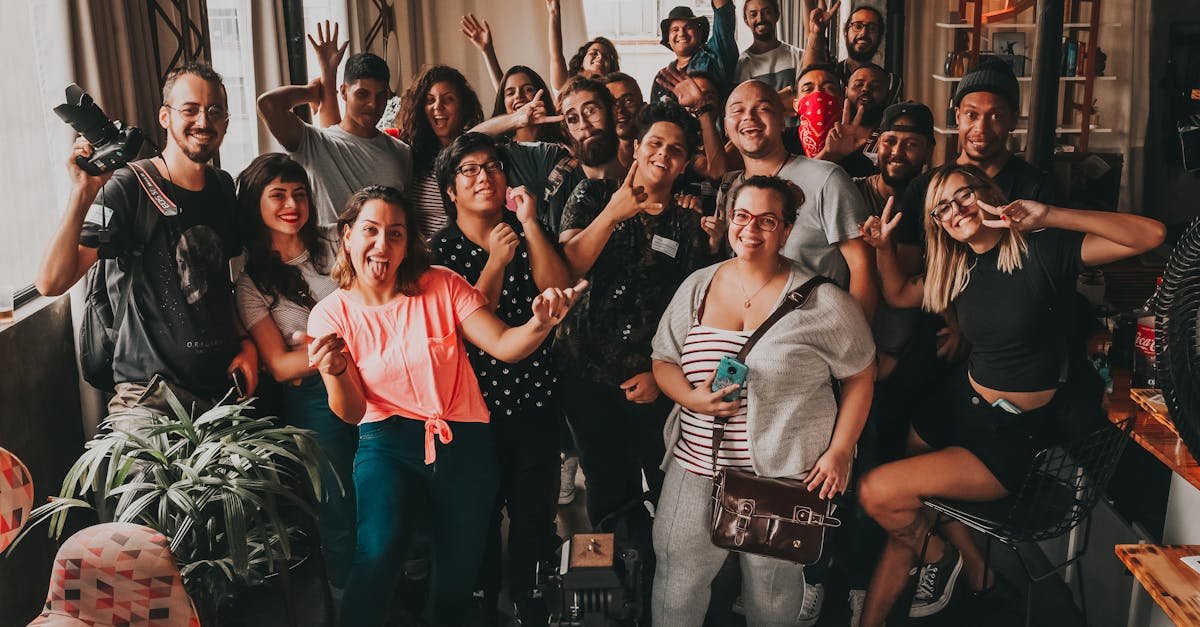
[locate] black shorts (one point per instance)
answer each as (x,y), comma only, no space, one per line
(955,415)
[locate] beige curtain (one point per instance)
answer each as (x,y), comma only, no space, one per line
(270,59)
(113,59)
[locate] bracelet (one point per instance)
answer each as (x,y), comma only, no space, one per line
(701,110)
(338,374)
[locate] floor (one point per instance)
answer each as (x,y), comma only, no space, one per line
(1053,604)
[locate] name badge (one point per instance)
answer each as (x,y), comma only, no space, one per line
(668,247)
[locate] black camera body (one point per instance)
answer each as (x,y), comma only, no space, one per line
(596,584)
(115,144)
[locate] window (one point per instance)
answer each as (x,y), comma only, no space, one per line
(317,11)
(36,142)
(233,57)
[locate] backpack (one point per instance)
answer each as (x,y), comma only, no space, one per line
(98,330)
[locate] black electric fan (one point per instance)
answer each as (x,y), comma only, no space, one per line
(1178,352)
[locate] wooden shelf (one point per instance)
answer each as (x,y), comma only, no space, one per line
(965,26)
(1174,586)
(1150,432)
(1061,130)
(1024,79)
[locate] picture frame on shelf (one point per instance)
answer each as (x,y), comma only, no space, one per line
(1011,47)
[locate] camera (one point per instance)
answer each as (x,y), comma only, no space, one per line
(597,583)
(114,143)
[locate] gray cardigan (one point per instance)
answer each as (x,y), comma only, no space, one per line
(790,404)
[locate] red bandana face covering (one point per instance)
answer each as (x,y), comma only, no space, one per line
(818,111)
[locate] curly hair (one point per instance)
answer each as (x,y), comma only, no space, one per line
(575,65)
(413,124)
(670,111)
(551,133)
(274,278)
(416,257)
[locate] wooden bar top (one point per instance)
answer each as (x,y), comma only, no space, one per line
(1150,432)
(1174,586)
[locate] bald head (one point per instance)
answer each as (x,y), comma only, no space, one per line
(754,119)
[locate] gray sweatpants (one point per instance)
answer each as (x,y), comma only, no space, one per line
(772,589)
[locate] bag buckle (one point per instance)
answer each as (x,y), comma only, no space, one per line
(745,509)
(805,515)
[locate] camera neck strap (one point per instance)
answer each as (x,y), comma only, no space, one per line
(150,184)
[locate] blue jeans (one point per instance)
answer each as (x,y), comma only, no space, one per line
(307,407)
(389,468)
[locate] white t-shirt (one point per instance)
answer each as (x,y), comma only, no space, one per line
(776,67)
(340,164)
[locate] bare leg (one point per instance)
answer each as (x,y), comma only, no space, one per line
(892,495)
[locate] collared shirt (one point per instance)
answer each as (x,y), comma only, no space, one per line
(507,388)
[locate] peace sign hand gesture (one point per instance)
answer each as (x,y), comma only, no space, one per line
(819,17)
(877,230)
(1019,215)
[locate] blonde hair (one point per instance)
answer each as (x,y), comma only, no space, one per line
(947,270)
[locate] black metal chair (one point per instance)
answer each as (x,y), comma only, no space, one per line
(1061,488)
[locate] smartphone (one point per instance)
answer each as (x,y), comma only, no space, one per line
(1007,406)
(730,371)
(239,383)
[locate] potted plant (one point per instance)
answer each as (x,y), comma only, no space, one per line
(213,485)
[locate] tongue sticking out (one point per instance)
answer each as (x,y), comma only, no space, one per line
(377,269)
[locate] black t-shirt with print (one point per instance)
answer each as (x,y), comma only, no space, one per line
(606,336)
(1017,179)
(508,389)
(180,319)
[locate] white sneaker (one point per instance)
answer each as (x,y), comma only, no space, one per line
(856,600)
(814,599)
(566,480)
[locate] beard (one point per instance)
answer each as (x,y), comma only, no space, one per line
(766,35)
(596,150)
(863,55)
(900,180)
(872,115)
(197,155)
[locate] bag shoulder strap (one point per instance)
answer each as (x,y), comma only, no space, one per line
(794,300)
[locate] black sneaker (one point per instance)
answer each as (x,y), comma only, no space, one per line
(935,584)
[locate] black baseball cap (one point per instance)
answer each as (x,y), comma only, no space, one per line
(920,119)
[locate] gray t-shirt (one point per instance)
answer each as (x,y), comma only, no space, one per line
(289,316)
(831,213)
(340,164)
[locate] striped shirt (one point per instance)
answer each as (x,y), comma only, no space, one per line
(431,212)
(702,351)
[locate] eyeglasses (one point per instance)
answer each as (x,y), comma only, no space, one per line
(214,113)
(870,27)
(766,221)
(590,111)
(471,170)
(964,197)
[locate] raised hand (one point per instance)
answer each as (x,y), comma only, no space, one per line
(80,178)
(687,91)
(502,244)
(629,199)
(329,53)
(478,31)
(533,113)
(848,136)
(1019,215)
(552,305)
(819,17)
(553,7)
(877,230)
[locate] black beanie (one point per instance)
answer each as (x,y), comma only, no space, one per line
(994,76)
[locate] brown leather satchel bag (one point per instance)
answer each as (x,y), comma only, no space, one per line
(777,518)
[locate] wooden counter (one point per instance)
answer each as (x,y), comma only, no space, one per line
(1174,586)
(1151,433)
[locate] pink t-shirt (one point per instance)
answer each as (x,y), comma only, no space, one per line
(410,353)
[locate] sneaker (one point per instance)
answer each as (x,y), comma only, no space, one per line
(935,584)
(810,610)
(855,600)
(739,606)
(566,480)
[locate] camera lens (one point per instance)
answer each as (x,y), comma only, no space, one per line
(732,370)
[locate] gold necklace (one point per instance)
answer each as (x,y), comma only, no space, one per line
(750,297)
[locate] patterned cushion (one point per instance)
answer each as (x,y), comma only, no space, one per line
(117,574)
(16,497)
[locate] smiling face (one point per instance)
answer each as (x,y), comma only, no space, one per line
(284,206)
(755,206)
(661,154)
(902,155)
(864,33)
(366,98)
(518,91)
(868,88)
(376,243)
(589,126)
(761,16)
(628,98)
(754,120)
(200,137)
(443,110)
(957,202)
(683,37)
(598,60)
(485,192)
(985,121)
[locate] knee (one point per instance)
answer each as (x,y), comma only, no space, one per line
(877,493)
